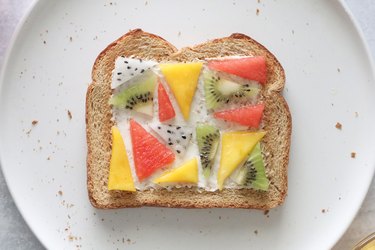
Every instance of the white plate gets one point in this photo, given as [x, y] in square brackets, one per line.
[329, 79]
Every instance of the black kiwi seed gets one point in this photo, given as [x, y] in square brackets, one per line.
[128, 67]
[125, 61]
[208, 140]
[251, 172]
[119, 73]
[142, 70]
[178, 151]
[183, 137]
[216, 97]
[139, 98]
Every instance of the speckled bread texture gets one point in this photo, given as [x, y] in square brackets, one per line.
[277, 123]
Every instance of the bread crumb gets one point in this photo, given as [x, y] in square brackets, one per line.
[70, 115]
[338, 126]
[129, 241]
[256, 232]
[257, 12]
[324, 210]
[353, 154]
[60, 192]
[266, 212]
[34, 122]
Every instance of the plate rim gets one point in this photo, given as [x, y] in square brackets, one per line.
[9, 51]
[345, 8]
[36, 3]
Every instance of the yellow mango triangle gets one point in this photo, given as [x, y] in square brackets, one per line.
[182, 78]
[120, 176]
[235, 148]
[186, 173]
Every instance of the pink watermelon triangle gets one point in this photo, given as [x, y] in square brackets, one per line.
[249, 116]
[166, 111]
[252, 68]
[149, 154]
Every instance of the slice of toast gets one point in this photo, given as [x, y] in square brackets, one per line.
[277, 122]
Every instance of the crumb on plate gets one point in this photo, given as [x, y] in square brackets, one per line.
[70, 115]
[338, 125]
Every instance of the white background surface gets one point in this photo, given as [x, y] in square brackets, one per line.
[14, 234]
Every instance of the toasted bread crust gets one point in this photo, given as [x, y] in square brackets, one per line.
[277, 122]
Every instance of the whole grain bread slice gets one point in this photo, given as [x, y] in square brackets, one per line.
[277, 122]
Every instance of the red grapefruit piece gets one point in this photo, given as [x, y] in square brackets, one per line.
[166, 111]
[249, 116]
[149, 154]
[252, 68]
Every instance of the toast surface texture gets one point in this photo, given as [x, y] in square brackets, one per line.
[277, 122]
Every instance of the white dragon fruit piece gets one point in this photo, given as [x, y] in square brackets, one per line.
[176, 137]
[127, 68]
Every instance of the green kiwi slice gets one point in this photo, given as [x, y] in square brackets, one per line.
[137, 97]
[219, 91]
[208, 137]
[252, 173]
